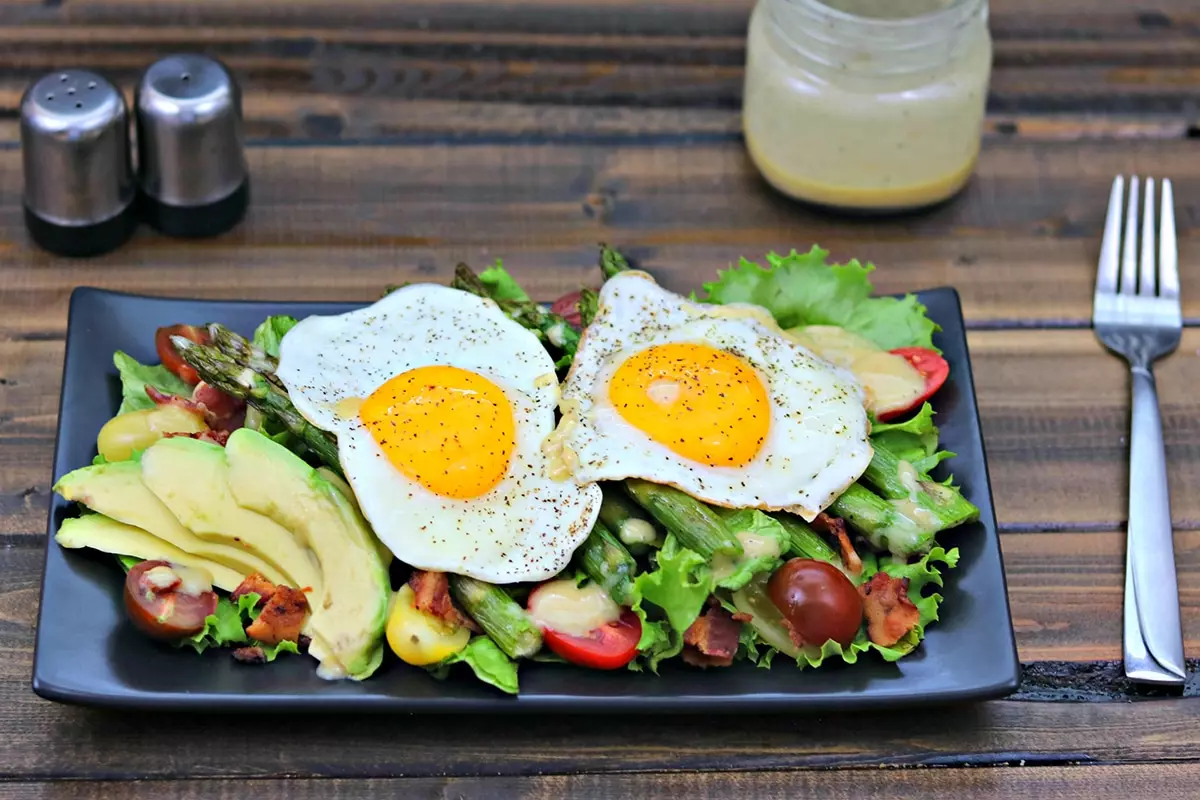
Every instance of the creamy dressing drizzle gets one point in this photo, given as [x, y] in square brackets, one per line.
[576, 611]
[753, 546]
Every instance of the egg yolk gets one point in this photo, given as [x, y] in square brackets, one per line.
[448, 429]
[703, 404]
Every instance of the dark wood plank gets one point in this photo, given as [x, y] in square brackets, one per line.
[340, 222]
[347, 70]
[1065, 601]
[1165, 781]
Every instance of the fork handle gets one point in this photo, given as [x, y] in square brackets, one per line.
[1150, 552]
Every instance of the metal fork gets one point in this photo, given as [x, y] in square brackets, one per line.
[1136, 314]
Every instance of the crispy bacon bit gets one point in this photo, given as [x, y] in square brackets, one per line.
[890, 614]
[216, 437]
[221, 412]
[836, 527]
[254, 584]
[743, 617]
[431, 594]
[712, 640]
[224, 412]
[281, 618]
[250, 655]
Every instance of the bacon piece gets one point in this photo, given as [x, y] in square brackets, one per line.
[281, 618]
[250, 655]
[256, 584]
[220, 411]
[890, 614]
[224, 412]
[836, 527]
[712, 640]
[431, 594]
[216, 437]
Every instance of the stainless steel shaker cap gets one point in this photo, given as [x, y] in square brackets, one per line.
[79, 186]
[192, 171]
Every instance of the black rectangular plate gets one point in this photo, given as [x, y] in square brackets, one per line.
[87, 652]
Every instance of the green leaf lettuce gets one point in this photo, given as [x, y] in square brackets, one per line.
[802, 289]
[486, 660]
[270, 333]
[135, 377]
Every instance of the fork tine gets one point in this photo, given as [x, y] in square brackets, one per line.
[1110, 247]
[1168, 253]
[1147, 270]
[1129, 252]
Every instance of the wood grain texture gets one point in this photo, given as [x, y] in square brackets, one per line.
[1164, 781]
[340, 222]
[324, 70]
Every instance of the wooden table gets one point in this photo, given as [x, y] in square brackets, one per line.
[390, 140]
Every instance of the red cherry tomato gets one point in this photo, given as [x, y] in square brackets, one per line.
[932, 367]
[610, 646]
[818, 601]
[170, 357]
[161, 611]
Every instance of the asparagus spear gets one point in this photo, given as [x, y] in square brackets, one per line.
[898, 480]
[611, 262]
[549, 327]
[622, 515]
[886, 526]
[697, 526]
[501, 617]
[606, 561]
[218, 369]
[805, 541]
[243, 351]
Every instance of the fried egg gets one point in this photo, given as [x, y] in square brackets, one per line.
[714, 400]
[440, 404]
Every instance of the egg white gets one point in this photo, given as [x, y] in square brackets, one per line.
[817, 444]
[523, 529]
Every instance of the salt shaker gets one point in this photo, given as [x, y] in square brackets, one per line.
[192, 175]
[79, 188]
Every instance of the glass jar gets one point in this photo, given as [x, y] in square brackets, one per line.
[866, 104]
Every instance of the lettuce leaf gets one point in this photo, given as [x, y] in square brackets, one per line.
[270, 333]
[501, 285]
[679, 585]
[920, 574]
[751, 520]
[802, 289]
[915, 440]
[225, 626]
[486, 660]
[135, 377]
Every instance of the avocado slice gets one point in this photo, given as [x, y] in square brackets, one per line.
[110, 536]
[350, 612]
[338, 481]
[116, 490]
[191, 478]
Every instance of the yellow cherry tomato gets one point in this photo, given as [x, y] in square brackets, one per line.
[137, 430]
[418, 638]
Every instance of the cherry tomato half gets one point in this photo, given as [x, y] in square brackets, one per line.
[158, 609]
[817, 600]
[932, 367]
[170, 357]
[610, 646]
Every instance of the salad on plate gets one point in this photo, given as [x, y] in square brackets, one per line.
[455, 474]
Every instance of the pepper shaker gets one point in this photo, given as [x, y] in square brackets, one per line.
[79, 186]
[192, 175]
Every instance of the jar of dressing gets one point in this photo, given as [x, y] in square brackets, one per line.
[866, 104]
